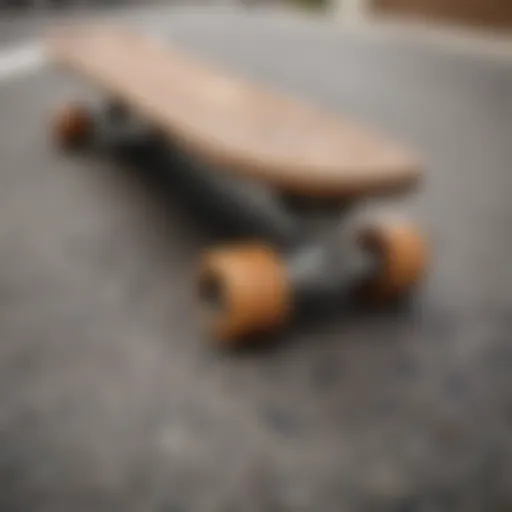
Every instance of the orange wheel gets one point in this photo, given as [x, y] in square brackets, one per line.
[243, 290]
[404, 258]
[72, 125]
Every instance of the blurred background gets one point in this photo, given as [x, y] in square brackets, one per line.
[112, 399]
[482, 13]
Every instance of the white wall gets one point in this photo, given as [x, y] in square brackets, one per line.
[351, 9]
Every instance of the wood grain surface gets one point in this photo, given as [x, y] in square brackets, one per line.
[238, 126]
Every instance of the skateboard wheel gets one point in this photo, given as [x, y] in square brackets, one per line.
[243, 290]
[403, 254]
[73, 124]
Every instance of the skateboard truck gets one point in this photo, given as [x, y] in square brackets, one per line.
[255, 286]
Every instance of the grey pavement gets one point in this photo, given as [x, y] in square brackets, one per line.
[111, 398]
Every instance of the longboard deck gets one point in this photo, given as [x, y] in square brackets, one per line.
[235, 125]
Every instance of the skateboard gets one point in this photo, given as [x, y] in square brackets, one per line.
[304, 159]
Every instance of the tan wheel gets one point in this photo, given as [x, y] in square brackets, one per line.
[243, 290]
[404, 259]
[72, 125]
